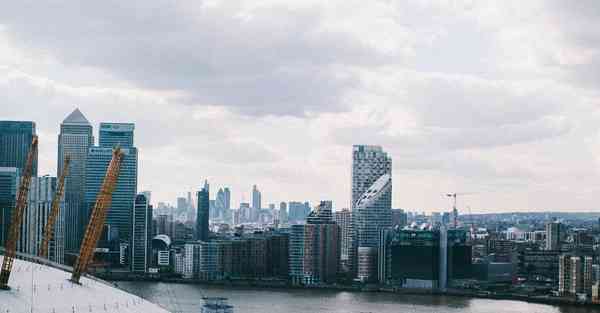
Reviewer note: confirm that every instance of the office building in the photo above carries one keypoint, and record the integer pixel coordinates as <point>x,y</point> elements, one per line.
<point>9,184</point>
<point>256,198</point>
<point>371,202</point>
<point>298,211</point>
<point>203,213</point>
<point>119,213</point>
<point>283,213</point>
<point>15,141</point>
<point>116,134</point>
<point>141,234</point>
<point>75,139</point>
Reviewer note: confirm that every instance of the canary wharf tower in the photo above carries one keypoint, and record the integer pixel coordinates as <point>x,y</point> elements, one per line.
<point>74,139</point>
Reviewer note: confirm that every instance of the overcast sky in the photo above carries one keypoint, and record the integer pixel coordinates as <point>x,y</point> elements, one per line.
<point>500,98</point>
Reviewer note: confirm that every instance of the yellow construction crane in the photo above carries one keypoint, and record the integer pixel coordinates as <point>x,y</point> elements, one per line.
<point>94,228</point>
<point>17,217</point>
<point>49,228</point>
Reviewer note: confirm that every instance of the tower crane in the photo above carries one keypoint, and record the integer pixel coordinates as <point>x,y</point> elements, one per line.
<point>454,209</point>
<point>17,217</point>
<point>98,216</point>
<point>49,228</point>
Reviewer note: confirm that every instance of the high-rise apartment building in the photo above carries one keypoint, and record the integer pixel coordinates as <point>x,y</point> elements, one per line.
<point>553,236</point>
<point>39,205</point>
<point>343,219</point>
<point>9,182</point>
<point>15,141</point>
<point>575,275</point>
<point>75,139</point>
<point>315,247</point>
<point>141,234</point>
<point>202,225</point>
<point>371,201</point>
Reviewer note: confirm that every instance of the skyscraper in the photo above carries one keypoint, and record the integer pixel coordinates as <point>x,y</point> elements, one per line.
<point>553,236</point>
<point>15,141</point>
<point>202,226</point>
<point>9,182</point>
<point>371,205</point>
<point>39,205</point>
<point>119,214</point>
<point>140,243</point>
<point>343,219</point>
<point>283,213</point>
<point>113,134</point>
<point>75,139</point>
<point>256,198</point>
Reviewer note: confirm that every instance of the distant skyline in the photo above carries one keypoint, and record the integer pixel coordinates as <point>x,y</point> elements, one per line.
<point>498,99</point>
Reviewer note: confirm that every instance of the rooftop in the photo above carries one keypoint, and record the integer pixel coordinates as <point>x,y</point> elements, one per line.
<point>76,117</point>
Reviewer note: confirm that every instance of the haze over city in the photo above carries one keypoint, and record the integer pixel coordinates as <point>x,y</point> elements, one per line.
<point>499,99</point>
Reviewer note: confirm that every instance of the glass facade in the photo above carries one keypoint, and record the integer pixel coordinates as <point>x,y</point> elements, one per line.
<point>9,182</point>
<point>15,141</point>
<point>113,134</point>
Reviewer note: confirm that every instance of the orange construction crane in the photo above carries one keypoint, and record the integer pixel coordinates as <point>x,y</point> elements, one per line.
<point>49,228</point>
<point>17,217</point>
<point>94,228</point>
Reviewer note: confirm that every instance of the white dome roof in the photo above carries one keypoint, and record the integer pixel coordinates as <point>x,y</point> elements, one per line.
<point>53,292</point>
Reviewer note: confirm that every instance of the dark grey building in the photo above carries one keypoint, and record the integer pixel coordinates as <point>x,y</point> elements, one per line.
<point>15,141</point>
<point>74,139</point>
<point>202,226</point>
<point>141,234</point>
<point>9,181</point>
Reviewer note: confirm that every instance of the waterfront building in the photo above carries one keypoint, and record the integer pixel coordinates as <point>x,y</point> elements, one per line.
<point>203,213</point>
<point>575,275</point>
<point>373,213</point>
<point>423,258</point>
<point>343,219</point>
<point>75,139</point>
<point>141,232</point>
<point>15,141</point>
<point>371,201</point>
<point>9,183</point>
<point>116,134</point>
<point>315,248</point>
<point>538,264</point>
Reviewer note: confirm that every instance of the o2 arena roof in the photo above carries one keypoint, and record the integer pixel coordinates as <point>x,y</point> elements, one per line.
<point>46,289</point>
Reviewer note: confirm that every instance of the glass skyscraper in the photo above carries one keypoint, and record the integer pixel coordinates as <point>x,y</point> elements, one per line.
<point>203,213</point>
<point>9,182</point>
<point>113,134</point>
<point>371,202</point>
<point>15,141</point>
<point>74,139</point>
<point>120,212</point>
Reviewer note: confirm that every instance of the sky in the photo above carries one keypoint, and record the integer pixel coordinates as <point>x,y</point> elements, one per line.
<point>499,99</point>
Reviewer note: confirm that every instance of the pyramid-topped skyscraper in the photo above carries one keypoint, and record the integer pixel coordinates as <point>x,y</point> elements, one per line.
<point>74,139</point>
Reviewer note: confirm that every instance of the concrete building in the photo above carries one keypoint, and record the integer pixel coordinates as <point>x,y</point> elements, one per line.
<point>553,236</point>
<point>575,275</point>
<point>75,139</point>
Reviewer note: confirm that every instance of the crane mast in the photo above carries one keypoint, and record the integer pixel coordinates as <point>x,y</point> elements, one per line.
<point>49,228</point>
<point>98,216</point>
<point>17,217</point>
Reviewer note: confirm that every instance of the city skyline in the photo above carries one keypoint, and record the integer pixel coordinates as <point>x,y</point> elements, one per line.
<point>501,112</point>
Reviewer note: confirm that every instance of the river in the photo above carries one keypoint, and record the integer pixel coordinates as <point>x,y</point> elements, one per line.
<point>184,298</point>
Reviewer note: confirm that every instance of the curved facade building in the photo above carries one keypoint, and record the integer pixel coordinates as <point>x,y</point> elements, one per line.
<point>371,201</point>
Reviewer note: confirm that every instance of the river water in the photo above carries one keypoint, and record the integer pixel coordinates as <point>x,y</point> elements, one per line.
<point>183,298</point>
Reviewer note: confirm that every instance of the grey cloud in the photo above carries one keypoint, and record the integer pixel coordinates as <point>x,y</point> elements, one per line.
<point>273,61</point>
